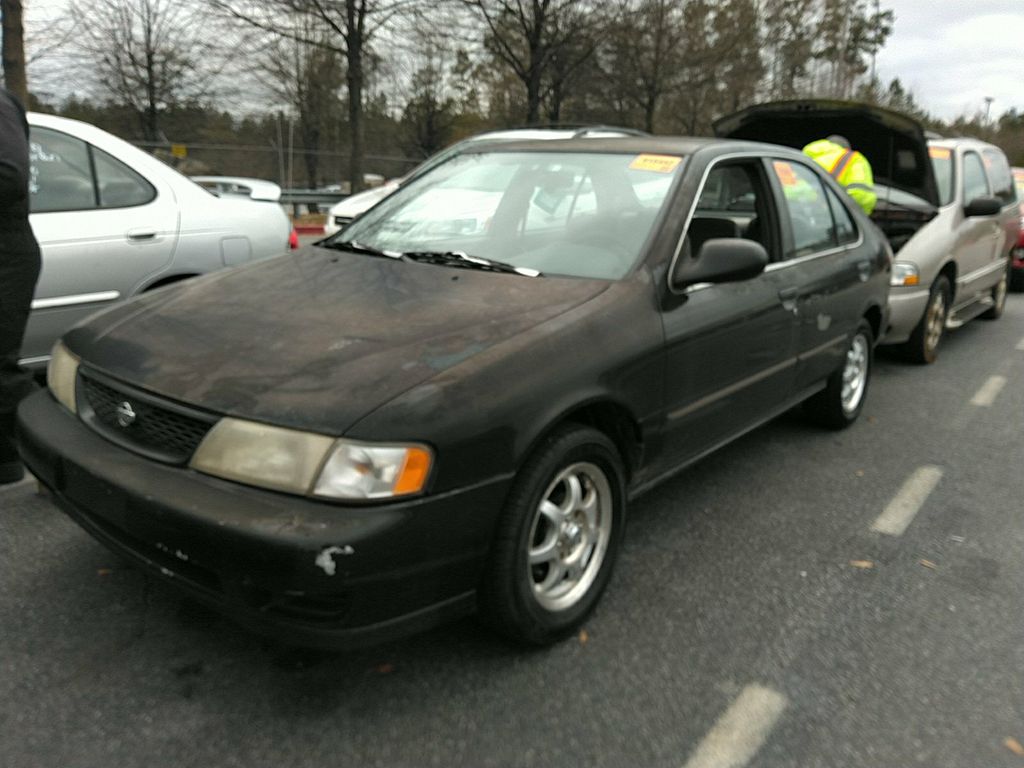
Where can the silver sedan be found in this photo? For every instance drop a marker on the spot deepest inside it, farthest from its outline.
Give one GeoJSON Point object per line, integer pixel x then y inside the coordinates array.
{"type": "Point", "coordinates": [113, 221]}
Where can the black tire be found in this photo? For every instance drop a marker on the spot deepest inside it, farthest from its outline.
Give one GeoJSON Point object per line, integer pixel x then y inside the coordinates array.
{"type": "Point", "coordinates": [999, 291]}
{"type": "Point", "coordinates": [507, 598]}
{"type": "Point", "coordinates": [923, 347]}
{"type": "Point", "coordinates": [831, 408]}
{"type": "Point", "coordinates": [1016, 280]}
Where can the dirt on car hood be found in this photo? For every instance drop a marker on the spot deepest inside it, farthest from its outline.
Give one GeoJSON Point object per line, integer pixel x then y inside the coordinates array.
{"type": "Point", "coordinates": [894, 144]}
{"type": "Point", "coordinates": [317, 339]}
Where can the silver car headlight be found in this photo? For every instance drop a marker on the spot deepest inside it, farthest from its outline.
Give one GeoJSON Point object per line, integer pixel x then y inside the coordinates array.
{"type": "Point", "coordinates": [61, 375]}
{"type": "Point", "coordinates": [904, 274]}
{"type": "Point", "coordinates": [306, 463]}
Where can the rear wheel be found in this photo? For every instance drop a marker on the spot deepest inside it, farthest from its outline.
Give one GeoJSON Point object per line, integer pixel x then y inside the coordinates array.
{"type": "Point", "coordinates": [923, 346]}
{"type": "Point", "coordinates": [840, 403]}
{"type": "Point", "coordinates": [557, 538]}
{"type": "Point", "coordinates": [999, 291]}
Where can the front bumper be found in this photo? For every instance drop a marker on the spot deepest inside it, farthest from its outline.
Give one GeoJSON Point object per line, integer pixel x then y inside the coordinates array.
{"type": "Point", "coordinates": [308, 572]}
{"type": "Point", "coordinates": [906, 307]}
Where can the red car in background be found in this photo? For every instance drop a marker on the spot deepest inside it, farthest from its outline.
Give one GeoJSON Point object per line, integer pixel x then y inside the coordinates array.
{"type": "Point", "coordinates": [1017, 271]}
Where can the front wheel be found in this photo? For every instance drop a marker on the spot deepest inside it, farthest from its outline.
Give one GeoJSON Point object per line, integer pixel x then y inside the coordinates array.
{"type": "Point", "coordinates": [840, 403]}
{"type": "Point", "coordinates": [557, 538]}
{"type": "Point", "coordinates": [923, 346]}
{"type": "Point", "coordinates": [999, 291]}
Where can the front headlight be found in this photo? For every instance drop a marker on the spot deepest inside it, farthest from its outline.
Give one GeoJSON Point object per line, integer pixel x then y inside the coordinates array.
{"type": "Point", "coordinates": [306, 463]}
{"type": "Point", "coordinates": [61, 375]}
{"type": "Point", "coordinates": [904, 274]}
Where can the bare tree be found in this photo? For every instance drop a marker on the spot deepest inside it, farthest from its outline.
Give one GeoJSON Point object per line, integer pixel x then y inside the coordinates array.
{"type": "Point", "coordinates": [149, 55]}
{"type": "Point", "coordinates": [543, 42]}
{"type": "Point", "coordinates": [347, 27]}
{"type": "Point", "coordinates": [14, 49]}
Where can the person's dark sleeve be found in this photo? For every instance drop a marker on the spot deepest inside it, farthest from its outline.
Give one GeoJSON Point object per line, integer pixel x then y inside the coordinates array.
{"type": "Point", "coordinates": [14, 163]}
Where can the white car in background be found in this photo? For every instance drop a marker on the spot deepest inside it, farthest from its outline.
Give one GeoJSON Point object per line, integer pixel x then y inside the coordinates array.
{"type": "Point", "coordinates": [345, 211]}
{"type": "Point", "coordinates": [113, 221]}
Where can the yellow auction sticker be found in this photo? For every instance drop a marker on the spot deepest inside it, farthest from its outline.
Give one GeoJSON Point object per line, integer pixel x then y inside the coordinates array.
{"type": "Point", "coordinates": [939, 153]}
{"type": "Point", "coordinates": [656, 163]}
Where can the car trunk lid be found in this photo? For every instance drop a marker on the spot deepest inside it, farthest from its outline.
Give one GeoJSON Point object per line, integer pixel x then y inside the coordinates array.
{"type": "Point", "coordinates": [894, 144]}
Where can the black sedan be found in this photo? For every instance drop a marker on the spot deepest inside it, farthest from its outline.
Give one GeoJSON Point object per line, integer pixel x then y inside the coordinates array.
{"type": "Point", "coordinates": [446, 406]}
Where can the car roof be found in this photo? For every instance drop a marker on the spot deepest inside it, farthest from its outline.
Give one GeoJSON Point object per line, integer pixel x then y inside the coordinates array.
{"type": "Point", "coordinates": [964, 142]}
{"type": "Point", "coordinates": [557, 132]}
{"type": "Point", "coordinates": [669, 145]}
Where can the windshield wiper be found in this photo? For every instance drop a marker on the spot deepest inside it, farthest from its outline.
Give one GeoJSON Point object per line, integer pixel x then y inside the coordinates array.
{"type": "Point", "coordinates": [460, 259]}
{"type": "Point", "coordinates": [368, 250]}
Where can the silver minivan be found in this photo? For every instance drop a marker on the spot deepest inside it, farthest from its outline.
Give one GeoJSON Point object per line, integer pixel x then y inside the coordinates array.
{"type": "Point", "coordinates": [947, 206]}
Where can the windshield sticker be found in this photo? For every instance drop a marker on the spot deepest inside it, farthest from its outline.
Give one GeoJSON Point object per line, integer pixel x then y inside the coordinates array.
{"type": "Point", "coordinates": [939, 153]}
{"type": "Point", "coordinates": [785, 173]}
{"type": "Point", "coordinates": [655, 163]}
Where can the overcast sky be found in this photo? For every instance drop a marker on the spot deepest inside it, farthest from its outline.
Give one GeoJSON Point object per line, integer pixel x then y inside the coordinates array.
{"type": "Point", "coordinates": [950, 53]}
{"type": "Point", "coordinates": [954, 53]}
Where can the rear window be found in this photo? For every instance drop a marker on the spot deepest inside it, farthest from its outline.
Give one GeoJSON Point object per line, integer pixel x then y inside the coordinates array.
{"type": "Point", "coordinates": [942, 163]}
{"type": "Point", "coordinates": [999, 175]}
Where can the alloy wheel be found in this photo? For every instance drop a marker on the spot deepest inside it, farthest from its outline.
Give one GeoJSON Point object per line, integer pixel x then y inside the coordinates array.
{"type": "Point", "coordinates": [855, 373]}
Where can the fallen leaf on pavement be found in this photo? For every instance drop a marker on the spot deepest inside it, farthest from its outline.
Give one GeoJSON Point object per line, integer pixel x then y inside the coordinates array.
{"type": "Point", "coordinates": [862, 564]}
{"type": "Point", "coordinates": [928, 564]}
{"type": "Point", "coordinates": [859, 473]}
{"type": "Point", "coordinates": [104, 572]}
{"type": "Point", "coordinates": [584, 637]}
{"type": "Point", "coordinates": [384, 669]}
{"type": "Point", "coordinates": [1014, 746]}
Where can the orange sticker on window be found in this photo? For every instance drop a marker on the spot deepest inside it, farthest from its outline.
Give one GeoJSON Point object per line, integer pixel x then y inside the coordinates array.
{"type": "Point", "coordinates": [939, 153]}
{"type": "Point", "coordinates": [656, 163]}
{"type": "Point", "coordinates": [785, 173]}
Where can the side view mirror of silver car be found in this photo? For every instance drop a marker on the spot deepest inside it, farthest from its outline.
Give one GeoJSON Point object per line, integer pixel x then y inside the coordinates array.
{"type": "Point", "coordinates": [721, 260]}
{"type": "Point", "coordinates": [983, 206]}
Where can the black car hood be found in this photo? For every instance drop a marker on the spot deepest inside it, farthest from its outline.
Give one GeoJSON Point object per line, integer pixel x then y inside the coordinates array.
{"type": "Point", "coordinates": [318, 339]}
{"type": "Point", "coordinates": [893, 143]}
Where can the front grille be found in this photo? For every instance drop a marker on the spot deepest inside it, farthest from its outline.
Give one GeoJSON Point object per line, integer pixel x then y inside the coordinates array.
{"type": "Point", "coordinates": [142, 422]}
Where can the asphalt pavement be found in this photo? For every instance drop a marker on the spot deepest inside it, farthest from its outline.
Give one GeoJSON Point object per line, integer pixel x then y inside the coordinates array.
{"type": "Point", "coordinates": [800, 598]}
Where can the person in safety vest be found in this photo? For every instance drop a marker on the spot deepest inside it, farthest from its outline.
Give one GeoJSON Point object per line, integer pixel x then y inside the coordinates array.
{"type": "Point", "coordinates": [847, 166]}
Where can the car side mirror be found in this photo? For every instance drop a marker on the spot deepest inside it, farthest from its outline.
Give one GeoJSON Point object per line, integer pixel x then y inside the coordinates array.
{"type": "Point", "coordinates": [721, 260]}
{"type": "Point", "coordinates": [983, 206]}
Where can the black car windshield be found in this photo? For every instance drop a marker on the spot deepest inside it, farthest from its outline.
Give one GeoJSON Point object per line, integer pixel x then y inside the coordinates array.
{"type": "Point", "coordinates": [580, 214]}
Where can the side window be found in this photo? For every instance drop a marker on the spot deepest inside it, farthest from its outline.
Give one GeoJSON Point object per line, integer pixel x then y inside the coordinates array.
{"type": "Point", "coordinates": [974, 177]}
{"type": "Point", "coordinates": [846, 230]}
{"type": "Point", "coordinates": [999, 175]}
{"type": "Point", "coordinates": [732, 203]}
{"type": "Point", "coordinates": [60, 177]}
{"type": "Point", "coordinates": [807, 207]}
{"type": "Point", "coordinates": [119, 186]}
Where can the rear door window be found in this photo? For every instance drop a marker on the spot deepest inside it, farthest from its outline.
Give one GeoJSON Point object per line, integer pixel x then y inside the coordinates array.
{"type": "Point", "coordinates": [999, 175]}
{"type": "Point", "coordinates": [975, 184]}
{"type": "Point", "coordinates": [810, 215]}
{"type": "Point", "coordinates": [60, 175]}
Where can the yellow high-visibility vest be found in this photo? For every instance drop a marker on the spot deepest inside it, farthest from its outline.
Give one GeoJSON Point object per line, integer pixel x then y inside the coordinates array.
{"type": "Point", "coordinates": [849, 168]}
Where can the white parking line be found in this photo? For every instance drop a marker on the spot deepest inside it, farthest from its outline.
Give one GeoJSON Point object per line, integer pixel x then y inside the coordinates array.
{"type": "Point", "coordinates": [989, 391]}
{"type": "Point", "coordinates": [25, 481]}
{"type": "Point", "coordinates": [905, 505]}
{"type": "Point", "coordinates": [1020, 345]}
{"type": "Point", "coordinates": [740, 731]}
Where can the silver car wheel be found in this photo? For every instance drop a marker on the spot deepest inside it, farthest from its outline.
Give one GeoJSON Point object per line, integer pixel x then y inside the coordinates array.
{"type": "Point", "coordinates": [569, 536]}
{"type": "Point", "coordinates": [855, 373]}
{"type": "Point", "coordinates": [935, 320]}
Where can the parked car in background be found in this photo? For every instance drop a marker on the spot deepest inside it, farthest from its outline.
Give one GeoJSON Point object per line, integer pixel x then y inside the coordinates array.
{"type": "Point", "coordinates": [948, 207]}
{"type": "Point", "coordinates": [470, 382]}
{"type": "Point", "coordinates": [1017, 254]}
{"type": "Point", "coordinates": [351, 207]}
{"type": "Point", "coordinates": [113, 221]}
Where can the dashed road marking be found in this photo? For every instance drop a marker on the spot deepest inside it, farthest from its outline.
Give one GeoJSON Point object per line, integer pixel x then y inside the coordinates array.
{"type": "Point", "coordinates": [1020, 345]}
{"type": "Point", "coordinates": [741, 730]}
{"type": "Point", "coordinates": [907, 503]}
{"type": "Point", "coordinates": [23, 483]}
{"type": "Point", "coordinates": [989, 391]}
